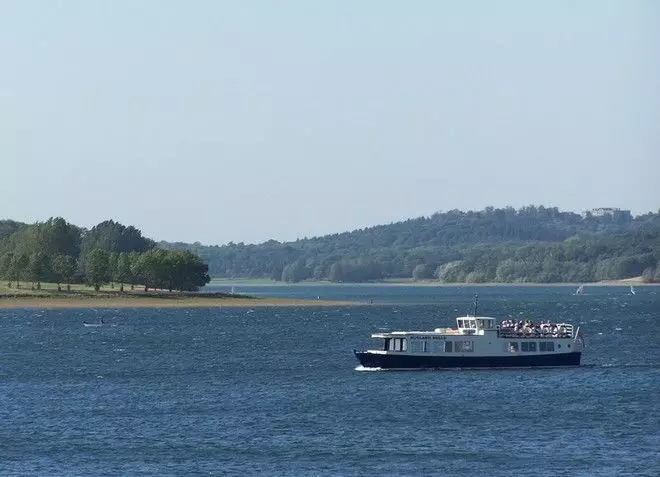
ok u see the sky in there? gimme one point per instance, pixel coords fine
(244, 121)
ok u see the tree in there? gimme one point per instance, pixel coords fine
(153, 268)
(56, 237)
(18, 267)
(64, 269)
(38, 268)
(112, 236)
(137, 270)
(420, 272)
(295, 272)
(5, 267)
(450, 272)
(96, 268)
(124, 273)
(186, 271)
(336, 272)
(112, 268)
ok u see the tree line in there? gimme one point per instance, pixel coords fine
(57, 251)
(531, 244)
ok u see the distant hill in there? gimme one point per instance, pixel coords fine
(531, 244)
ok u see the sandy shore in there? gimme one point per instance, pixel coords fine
(185, 302)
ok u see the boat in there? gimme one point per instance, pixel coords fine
(90, 325)
(632, 290)
(580, 290)
(477, 342)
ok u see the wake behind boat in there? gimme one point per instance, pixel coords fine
(477, 342)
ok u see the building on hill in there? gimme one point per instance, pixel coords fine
(613, 212)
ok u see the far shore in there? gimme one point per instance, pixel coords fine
(637, 281)
(83, 297)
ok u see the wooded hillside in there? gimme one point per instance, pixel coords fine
(532, 244)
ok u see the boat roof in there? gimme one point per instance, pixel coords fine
(390, 334)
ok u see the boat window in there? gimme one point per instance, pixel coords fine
(529, 346)
(460, 324)
(464, 346)
(473, 324)
(547, 346)
(387, 344)
(438, 346)
(480, 324)
(400, 344)
(448, 346)
(419, 346)
(513, 346)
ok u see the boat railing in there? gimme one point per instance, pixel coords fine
(558, 330)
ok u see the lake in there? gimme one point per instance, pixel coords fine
(275, 391)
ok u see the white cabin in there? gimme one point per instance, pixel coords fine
(481, 335)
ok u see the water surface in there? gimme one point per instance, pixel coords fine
(274, 391)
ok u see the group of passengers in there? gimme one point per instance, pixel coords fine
(527, 327)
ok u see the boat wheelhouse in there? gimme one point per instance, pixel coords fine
(478, 342)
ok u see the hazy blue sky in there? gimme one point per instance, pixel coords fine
(246, 120)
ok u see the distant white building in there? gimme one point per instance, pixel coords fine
(608, 211)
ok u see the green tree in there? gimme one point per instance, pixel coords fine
(96, 268)
(112, 236)
(112, 268)
(38, 268)
(18, 267)
(420, 272)
(56, 237)
(185, 271)
(295, 272)
(64, 269)
(154, 268)
(336, 272)
(137, 270)
(6, 260)
(124, 273)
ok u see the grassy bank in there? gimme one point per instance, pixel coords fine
(81, 296)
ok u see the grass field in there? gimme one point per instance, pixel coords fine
(82, 296)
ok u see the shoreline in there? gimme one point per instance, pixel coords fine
(59, 303)
(52, 302)
(431, 283)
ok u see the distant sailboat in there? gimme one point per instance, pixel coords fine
(632, 290)
(580, 290)
(233, 290)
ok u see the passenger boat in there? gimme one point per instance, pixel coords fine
(478, 342)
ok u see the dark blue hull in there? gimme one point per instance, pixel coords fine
(403, 361)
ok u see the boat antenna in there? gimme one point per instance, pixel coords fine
(476, 304)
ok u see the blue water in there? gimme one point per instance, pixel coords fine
(274, 391)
